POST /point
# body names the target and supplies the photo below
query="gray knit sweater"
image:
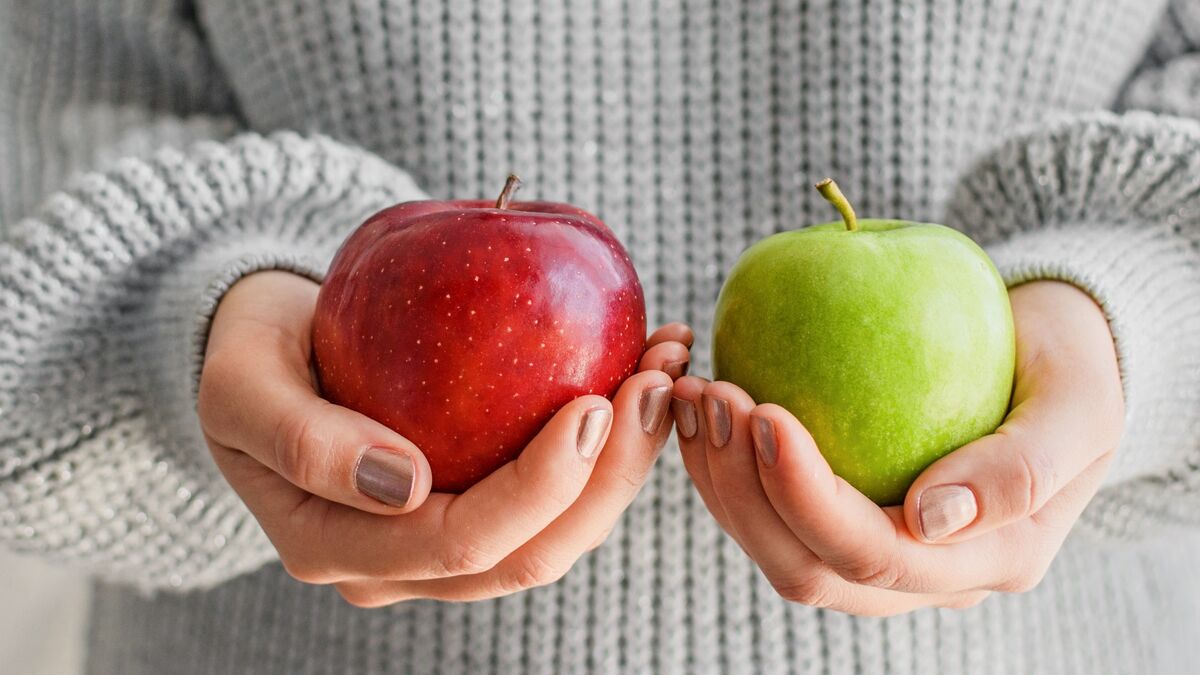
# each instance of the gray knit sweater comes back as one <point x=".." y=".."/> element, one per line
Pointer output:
<point x="152" y="152"/>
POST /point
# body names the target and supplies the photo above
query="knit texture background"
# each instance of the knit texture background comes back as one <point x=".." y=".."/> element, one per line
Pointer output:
<point x="153" y="152"/>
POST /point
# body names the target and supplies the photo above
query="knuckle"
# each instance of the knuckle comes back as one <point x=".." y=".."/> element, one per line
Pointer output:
<point x="296" y="444"/>
<point x="630" y="479"/>
<point x="811" y="591"/>
<point x="869" y="570"/>
<point x="1033" y="481"/>
<point x="464" y="559"/>
<point x="532" y="571"/>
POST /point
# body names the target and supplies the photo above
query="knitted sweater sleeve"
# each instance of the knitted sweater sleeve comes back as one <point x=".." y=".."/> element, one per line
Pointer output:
<point x="1112" y="204"/>
<point x="113" y="257"/>
<point x="1166" y="81"/>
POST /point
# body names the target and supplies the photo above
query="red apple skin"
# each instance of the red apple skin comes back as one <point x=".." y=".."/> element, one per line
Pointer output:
<point x="466" y="327"/>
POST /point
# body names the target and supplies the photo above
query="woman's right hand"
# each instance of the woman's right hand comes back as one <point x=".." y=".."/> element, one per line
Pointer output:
<point x="338" y="493"/>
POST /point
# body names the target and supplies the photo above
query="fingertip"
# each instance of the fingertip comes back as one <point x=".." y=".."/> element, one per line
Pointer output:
<point x="670" y="357"/>
<point x="591" y="419"/>
<point x="785" y="423"/>
<point x="644" y="380"/>
<point x="795" y="456"/>
<point x="677" y="331"/>
<point x="728" y="391"/>
<point x="689" y="387"/>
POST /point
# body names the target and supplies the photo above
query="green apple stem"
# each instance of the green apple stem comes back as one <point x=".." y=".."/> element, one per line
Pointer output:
<point x="510" y="188"/>
<point x="833" y="194"/>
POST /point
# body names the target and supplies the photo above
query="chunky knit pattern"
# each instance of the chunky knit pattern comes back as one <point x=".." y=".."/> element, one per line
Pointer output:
<point x="153" y="152"/>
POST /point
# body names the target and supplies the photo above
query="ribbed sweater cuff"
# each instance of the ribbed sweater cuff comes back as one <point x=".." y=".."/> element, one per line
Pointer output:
<point x="218" y="273"/>
<point x="105" y="301"/>
<point x="1109" y="203"/>
<point x="1145" y="282"/>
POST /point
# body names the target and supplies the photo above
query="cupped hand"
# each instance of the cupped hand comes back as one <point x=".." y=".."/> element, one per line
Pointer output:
<point x="990" y="516"/>
<point x="338" y="493"/>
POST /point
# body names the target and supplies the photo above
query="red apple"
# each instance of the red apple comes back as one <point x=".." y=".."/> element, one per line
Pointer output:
<point x="464" y="325"/>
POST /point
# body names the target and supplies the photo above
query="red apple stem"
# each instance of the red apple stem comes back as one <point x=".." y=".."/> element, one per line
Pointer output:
<point x="833" y="194"/>
<point x="510" y="188"/>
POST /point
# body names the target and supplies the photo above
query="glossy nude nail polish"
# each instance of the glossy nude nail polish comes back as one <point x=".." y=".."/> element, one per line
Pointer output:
<point x="685" y="417"/>
<point x="385" y="475"/>
<point x="719" y="419"/>
<point x="762" y="432"/>
<point x="946" y="509"/>
<point x="593" y="426"/>
<point x="652" y="407"/>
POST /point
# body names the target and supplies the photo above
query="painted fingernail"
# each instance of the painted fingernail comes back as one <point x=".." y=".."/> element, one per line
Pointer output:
<point x="685" y="417"/>
<point x="385" y="475"/>
<point x="946" y="509"/>
<point x="676" y="369"/>
<point x="653" y="407"/>
<point x="592" y="429"/>
<point x="720" y="425"/>
<point x="762" y="432"/>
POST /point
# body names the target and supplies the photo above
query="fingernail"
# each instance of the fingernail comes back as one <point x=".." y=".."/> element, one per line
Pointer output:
<point x="385" y="475"/>
<point x="946" y="509"/>
<point x="762" y="432"/>
<point x="720" y="426"/>
<point x="592" y="428"/>
<point x="676" y="369"/>
<point x="653" y="407"/>
<point x="685" y="416"/>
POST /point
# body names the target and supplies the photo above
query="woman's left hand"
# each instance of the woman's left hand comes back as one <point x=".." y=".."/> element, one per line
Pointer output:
<point x="990" y="516"/>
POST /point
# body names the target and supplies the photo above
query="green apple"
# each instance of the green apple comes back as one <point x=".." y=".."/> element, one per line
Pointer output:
<point x="891" y="341"/>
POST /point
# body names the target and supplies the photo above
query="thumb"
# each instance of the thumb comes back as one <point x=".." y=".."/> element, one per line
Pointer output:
<point x="1004" y="477"/>
<point x="252" y="402"/>
<point x="257" y="397"/>
<point x="346" y="457"/>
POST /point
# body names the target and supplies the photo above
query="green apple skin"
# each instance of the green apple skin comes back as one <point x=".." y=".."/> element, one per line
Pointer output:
<point x="893" y="344"/>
